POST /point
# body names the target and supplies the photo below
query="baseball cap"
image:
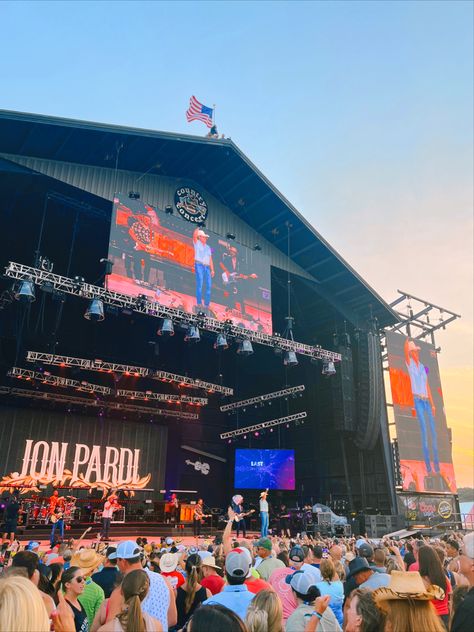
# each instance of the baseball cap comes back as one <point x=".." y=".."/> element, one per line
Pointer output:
<point x="109" y="551"/>
<point x="365" y="550"/>
<point x="193" y="550"/>
<point x="126" y="550"/>
<point x="297" y="554"/>
<point x="468" y="545"/>
<point x="265" y="543"/>
<point x="237" y="563"/>
<point x="360" y="542"/>
<point x="32" y="545"/>
<point x="169" y="541"/>
<point x="301" y="581"/>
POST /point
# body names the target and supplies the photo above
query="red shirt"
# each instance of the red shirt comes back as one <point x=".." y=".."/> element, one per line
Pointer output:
<point x="256" y="585"/>
<point x="214" y="583"/>
<point x="176" y="579"/>
<point x="414" y="567"/>
<point x="442" y="605"/>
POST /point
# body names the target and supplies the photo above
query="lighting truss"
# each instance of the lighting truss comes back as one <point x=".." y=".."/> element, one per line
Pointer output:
<point x="126" y="369"/>
<point x="183" y="380"/>
<point x="56" y="380"/>
<point x="265" y="424"/>
<point x="95" y="403"/>
<point x="263" y="398"/>
<point x="162" y="397"/>
<point x="76" y="287"/>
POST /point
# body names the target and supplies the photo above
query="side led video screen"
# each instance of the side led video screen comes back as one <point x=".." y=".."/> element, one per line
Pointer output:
<point x="259" y="469"/>
<point x="424" y="441"/>
<point x="180" y="265"/>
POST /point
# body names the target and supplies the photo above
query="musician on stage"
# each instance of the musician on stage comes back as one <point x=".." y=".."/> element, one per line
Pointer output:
<point x="284" y="520"/>
<point x="56" y="515"/>
<point x="264" y="513"/>
<point x="198" y="517"/>
<point x="111" y="505"/>
<point x="237" y="507"/>
<point x="174" y="513"/>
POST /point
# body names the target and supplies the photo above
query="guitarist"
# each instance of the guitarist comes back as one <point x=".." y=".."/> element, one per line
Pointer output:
<point x="237" y="507"/>
<point x="198" y="517"/>
<point x="56" y="515"/>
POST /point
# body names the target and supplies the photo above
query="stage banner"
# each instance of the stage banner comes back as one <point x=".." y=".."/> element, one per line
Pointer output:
<point x="428" y="510"/>
<point x="42" y="448"/>
<point x="185" y="266"/>
<point x="424" y="440"/>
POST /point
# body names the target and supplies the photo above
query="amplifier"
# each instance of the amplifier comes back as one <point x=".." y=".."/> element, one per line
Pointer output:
<point x="324" y="518"/>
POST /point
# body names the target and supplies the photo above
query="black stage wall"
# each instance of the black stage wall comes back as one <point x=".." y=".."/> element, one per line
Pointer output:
<point x="42" y="447"/>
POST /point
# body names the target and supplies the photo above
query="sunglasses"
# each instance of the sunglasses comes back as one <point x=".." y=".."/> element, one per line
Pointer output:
<point x="79" y="579"/>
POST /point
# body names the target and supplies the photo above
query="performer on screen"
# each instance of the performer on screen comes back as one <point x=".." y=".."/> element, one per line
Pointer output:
<point x="111" y="505"/>
<point x="56" y="515"/>
<point x="203" y="267"/>
<point x="239" y="520"/>
<point x="232" y="275"/>
<point x="424" y="405"/>
<point x="264" y="513"/>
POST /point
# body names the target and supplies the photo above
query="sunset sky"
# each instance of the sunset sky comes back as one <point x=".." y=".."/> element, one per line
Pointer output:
<point x="359" y="112"/>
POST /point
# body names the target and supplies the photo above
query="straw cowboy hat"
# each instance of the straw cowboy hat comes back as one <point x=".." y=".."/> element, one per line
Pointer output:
<point x="407" y="585"/>
<point x="87" y="559"/>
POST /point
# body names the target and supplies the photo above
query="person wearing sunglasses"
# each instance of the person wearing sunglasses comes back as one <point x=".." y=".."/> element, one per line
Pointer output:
<point x="72" y="583"/>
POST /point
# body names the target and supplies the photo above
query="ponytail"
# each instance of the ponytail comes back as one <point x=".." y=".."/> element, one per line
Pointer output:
<point x="135" y="621"/>
<point x="135" y="586"/>
<point x="193" y="568"/>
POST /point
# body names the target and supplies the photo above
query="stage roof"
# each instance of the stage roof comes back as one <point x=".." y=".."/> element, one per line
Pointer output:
<point x="219" y="166"/>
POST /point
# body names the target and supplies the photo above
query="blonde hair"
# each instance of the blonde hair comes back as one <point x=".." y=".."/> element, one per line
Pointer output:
<point x="265" y="613"/>
<point x="327" y="570"/>
<point x="411" y="615"/>
<point x="21" y="606"/>
<point x="339" y="568"/>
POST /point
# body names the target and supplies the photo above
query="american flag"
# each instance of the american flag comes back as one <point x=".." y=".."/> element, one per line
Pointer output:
<point x="199" y="112"/>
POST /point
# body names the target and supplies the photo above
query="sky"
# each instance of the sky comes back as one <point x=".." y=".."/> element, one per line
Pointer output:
<point x="360" y="113"/>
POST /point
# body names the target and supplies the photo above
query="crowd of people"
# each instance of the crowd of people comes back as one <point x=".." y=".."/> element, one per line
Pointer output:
<point x="266" y="584"/>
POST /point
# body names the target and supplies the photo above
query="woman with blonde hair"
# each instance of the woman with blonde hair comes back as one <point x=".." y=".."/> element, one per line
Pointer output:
<point x="265" y="613"/>
<point x="332" y="586"/>
<point x="21" y="606"/>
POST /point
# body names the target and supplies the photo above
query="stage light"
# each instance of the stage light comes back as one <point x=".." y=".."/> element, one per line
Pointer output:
<point x="134" y="195"/>
<point x="290" y="359"/>
<point x="257" y="434"/>
<point x="328" y="368"/>
<point x="25" y="291"/>
<point x="245" y="347"/>
<point x="95" y="311"/>
<point x="221" y="342"/>
<point x="257" y="247"/>
<point x="193" y="334"/>
<point x="230" y="236"/>
<point x="166" y="328"/>
<point x="169" y="209"/>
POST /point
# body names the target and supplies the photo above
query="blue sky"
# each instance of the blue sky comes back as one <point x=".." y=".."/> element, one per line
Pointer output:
<point x="359" y="112"/>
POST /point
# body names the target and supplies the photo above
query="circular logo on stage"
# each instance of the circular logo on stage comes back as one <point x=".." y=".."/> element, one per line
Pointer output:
<point x="445" y="509"/>
<point x="190" y="205"/>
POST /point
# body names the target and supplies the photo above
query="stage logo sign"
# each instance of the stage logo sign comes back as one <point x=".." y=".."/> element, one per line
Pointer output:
<point x="79" y="466"/>
<point x="424" y="439"/>
<point x="190" y="205"/>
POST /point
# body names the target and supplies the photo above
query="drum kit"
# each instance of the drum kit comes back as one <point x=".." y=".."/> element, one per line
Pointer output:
<point x="36" y="511"/>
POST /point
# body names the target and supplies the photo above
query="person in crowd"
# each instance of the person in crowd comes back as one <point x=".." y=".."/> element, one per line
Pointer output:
<point x="265" y="613"/>
<point x="168" y="565"/>
<point x="72" y="583"/>
<point x="278" y="583"/>
<point x="235" y="595"/>
<point x="284" y="557"/>
<point x="191" y="594"/>
<point x="417" y="544"/>
<point x="332" y="586"/>
<point x="362" y="576"/>
<point x="215" y="617"/>
<point x="29" y="561"/>
<point x="299" y="560"/>
<point x="452" y="553"/>
<point x="132" y="618"/>
<point x="210" y="577"/>
<point x="406" y="604"/>
<point x="458" y="597"/>
<point x="284" y="521"/>
<point x="380" y="559"/>
<point x="317" y="556"/>
<point x="433" y="573"/>
<point x="21" y="606"/>
<point x="92" y="595"/>
<point x="108" y="576"/>
<point x="463" y="618"/>
<point x="362" y="614"/>
<point x="310" y="605"/>
<point x="160" y="601"/>
<point x="409" y="557"/>
<point x="335" y="553"/>
<point x="10" y="516"/>
<point x="264" y="549"/>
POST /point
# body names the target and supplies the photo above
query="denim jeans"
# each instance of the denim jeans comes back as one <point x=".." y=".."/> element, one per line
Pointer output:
<point x="105" y="527"/>
<point x="264" y="519"/>
<point x="59" y="524"/>
<point x="203" y="275"/>
<point x="425" y="417"/>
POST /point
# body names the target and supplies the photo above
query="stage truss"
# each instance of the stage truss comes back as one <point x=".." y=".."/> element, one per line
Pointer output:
<point x="285" y="392"/>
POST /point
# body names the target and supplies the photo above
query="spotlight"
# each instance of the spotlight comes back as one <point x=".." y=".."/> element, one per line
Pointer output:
<point x="166" y="328"/>
<point x="290" y="359"/>
<point x="230" y="236"/>
<point x="95" y="311"/>
<point x="221" y="342"/>
<point x="256" y="433"/>
<point x="134" y="195"/>
<point x="257" y="247"/>
<point x="193" y="334"/>
<point x="245" y="347"/>
<point x="328" y="368"/>
<point x="25" y="291"/>
<point x="169" y="209"/>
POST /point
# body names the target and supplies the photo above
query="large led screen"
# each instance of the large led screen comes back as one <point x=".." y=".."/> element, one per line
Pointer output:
<point x="424" y="440"/>
<point x="261" y="469"/>
<point x="181" y="265"/>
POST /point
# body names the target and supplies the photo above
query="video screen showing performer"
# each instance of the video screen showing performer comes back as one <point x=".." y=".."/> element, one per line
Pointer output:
<point x="423" y="436"/>
<point x="188" y="267"/>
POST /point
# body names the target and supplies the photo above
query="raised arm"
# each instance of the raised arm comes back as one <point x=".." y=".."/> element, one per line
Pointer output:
<point x="227" y="535"/>
<point x="195" y="235"/>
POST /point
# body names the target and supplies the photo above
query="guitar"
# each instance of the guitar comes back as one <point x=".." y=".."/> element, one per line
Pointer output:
<point x="239" y="517"/>
<point x="233" y="277"/>
<point x="56" y="516"/>
<point x="197" y="516"/>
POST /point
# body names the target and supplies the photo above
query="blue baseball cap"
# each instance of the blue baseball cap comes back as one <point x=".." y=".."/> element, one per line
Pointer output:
<point x="32" y="544"/>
